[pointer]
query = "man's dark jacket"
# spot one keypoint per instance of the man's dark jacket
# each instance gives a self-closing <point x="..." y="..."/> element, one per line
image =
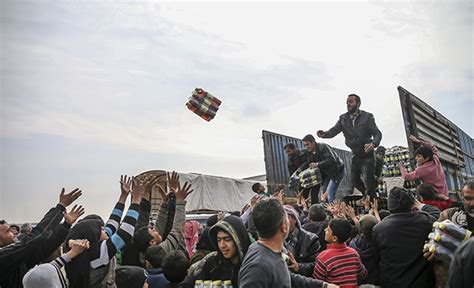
<point x="305" y="248"/>
<point x="398" y="248"/>
<point x="18" y="258"/>
<point x="328" y="161"/>
<point x="296" y="161"/>
<point x="359" y="134"/>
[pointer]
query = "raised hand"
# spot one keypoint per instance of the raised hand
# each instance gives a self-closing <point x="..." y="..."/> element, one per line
<point x="220" y="215"/>
<point x="182" y="192"/>
<point x="414" y="139"/>
<point x="67" y="199"/>
<point x="173" y="180"/>
<point x="164" y="195"/>
<point x="148" y="185"/>
<point x="138" y="190"/>
<point x="71" y="216"/>
<point x="126" y="184"/>
<point x="254" y="200"/>
<point x="320" y="133"/>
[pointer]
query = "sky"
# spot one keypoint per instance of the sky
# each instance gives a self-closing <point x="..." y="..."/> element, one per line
<point x="92" y="90"/>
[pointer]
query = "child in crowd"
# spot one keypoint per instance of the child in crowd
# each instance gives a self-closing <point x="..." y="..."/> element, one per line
<point x="339" y="264"/>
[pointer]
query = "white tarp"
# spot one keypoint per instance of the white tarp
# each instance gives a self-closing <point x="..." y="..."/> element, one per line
<point x="217" y="193"/>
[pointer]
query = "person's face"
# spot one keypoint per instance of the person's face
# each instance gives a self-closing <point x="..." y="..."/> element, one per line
<point x="227" y="246"/>
<point x="285" y="226"/>
<point x="468" y="200"/>
<point x="6" y="235"/>
<point x="290" y="152"/>
<point x="420" y="160"/>
<point x="380" y="156"/>
<point x="310" y="146"/>
<point x="328" y="236"/>
<point x="156" y="236"/>
<point x="14" y="230"/>
<point x="352" y="104"/>
<point x="261" y="188"/>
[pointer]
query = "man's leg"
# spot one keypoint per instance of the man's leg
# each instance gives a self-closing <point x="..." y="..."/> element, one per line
<point x="356" y="170"/>
<point x="368" y="175"/>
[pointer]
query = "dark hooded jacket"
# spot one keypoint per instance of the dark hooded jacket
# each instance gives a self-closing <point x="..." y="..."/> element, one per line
<point x="214" y="266"/>
<point x="16" y="259"/>
<point x="204" y="247"/>
<point x="79" y="269"/>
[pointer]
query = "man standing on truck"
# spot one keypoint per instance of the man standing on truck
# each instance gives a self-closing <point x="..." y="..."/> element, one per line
<point x="362" y="136"/>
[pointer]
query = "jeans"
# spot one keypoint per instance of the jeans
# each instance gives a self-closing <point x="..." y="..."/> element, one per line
<point x="331" y="187"/>
<point x="363" y="165"/>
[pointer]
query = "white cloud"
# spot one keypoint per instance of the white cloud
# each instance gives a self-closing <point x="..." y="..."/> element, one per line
<point x="118" y="74"/>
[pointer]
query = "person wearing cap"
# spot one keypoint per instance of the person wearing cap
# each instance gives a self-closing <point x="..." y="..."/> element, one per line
<point x="303" y="245"/>
<point x="398" y="243"/>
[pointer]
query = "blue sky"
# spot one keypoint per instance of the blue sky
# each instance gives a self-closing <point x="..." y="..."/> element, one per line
<point x="91" y="90"/>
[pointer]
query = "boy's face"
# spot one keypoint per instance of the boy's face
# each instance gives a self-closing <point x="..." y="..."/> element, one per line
<point x="420" y="160"/>
<point x="328" y="236"/>
<point x="156" y="236"/>
<point x="227" y="246"/>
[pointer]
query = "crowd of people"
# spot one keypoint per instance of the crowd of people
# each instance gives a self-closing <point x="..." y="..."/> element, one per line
<point x="319" y="241"/>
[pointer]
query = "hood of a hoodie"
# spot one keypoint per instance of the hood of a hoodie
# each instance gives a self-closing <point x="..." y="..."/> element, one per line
<point x="233" y="226"/>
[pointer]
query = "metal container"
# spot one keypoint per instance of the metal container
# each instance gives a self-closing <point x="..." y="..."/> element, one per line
<point x="276" y="162"/>
<point x="455" y="146"/>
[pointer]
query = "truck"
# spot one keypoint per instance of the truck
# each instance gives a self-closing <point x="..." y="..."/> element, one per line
<point x="456" y="147"/>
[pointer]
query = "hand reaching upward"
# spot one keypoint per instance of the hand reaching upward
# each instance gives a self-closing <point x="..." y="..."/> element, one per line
<point x="71" y="216"/>
<point x="67" y="199"/>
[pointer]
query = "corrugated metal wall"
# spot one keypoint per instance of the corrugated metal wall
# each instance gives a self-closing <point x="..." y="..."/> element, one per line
<point x="455" y="146"/>
<point x="276" y="161"/>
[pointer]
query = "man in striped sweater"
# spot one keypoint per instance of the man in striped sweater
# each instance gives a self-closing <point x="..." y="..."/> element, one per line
<point x="339" y="264"/>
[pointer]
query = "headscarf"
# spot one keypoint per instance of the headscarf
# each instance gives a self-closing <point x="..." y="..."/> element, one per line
<point x="78" y="269"/>
<point x="191" y="235"/>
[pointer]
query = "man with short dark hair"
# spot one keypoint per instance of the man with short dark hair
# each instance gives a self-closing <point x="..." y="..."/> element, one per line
<point x="296" y="157"/>
<point x="264" y="265"/>
<point x="429" y="169"/>
<point x="362" y="136"/>
<point x="323" y="157"/>
<point x="398" y="243"/>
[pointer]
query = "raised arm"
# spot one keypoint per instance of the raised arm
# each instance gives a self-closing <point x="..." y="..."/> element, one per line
<point x="426" y="144"/>
<point x="103" y="253"/>
<point x="336" y="129"/>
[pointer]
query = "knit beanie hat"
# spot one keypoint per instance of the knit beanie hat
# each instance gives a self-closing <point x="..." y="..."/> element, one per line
<point x="44" y="275"/>
<point x="400" y="200"/>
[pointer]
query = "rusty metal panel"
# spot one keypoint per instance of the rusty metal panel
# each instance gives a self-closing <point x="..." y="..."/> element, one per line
<point x="276" y="161"/>
<point x="455" y="146"/>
